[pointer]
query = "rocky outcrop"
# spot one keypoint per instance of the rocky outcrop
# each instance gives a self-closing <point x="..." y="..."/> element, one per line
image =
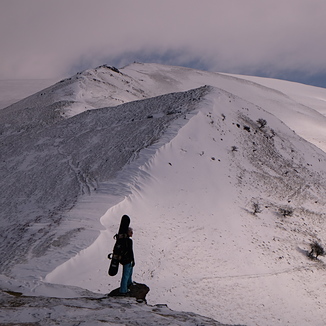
<point x="137" y="290"/>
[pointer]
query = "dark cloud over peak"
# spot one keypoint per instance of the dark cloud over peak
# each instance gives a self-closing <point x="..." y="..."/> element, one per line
<point x="49" y="39"/>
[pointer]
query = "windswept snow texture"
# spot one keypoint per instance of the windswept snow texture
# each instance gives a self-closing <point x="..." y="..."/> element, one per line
<point x="48" y="162"/>
<point x="203" y="180"/>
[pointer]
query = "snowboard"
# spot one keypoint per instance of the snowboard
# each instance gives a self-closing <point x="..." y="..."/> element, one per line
<point x="119" y="245"/>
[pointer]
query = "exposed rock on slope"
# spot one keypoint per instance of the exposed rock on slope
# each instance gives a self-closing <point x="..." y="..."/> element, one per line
<point x="91" y="310"/>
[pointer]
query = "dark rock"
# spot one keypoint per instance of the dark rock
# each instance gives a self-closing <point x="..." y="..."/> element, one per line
<point x="137" y="291"/>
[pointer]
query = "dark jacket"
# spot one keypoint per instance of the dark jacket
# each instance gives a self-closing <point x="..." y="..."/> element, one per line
<point x="127" y="255"/>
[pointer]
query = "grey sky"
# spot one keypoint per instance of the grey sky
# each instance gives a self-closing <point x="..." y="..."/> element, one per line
<point x="56" y="38"/>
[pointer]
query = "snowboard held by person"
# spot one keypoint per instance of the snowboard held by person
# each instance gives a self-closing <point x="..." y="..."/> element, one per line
<point x="123" y="254"/>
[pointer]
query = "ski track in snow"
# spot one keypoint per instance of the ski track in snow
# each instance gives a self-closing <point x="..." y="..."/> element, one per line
<point x="189" y="191"/>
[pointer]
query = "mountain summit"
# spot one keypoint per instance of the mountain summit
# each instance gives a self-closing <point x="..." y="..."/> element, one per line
<point x="223" y="178"/>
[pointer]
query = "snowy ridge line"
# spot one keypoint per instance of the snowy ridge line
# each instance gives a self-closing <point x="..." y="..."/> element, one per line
<point x="14" y="90"/>
<point x="94" y="146"/>
<point x="266" y="93"/>
<point x="128" y="181"/>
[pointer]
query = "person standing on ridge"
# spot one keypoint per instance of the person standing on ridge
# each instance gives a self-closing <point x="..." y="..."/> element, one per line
<point x="128" y="262"/>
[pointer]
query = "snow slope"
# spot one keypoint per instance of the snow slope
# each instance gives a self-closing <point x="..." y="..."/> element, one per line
<point x="15" y="89"/>
<point x="189" y="190"/>
<point x="199" y="247"/>
<point x="49" y="161"/>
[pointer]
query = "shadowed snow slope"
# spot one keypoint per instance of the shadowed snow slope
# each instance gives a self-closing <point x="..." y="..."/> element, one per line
<point x="203" y="181"/>
<point x="48" y="162"/>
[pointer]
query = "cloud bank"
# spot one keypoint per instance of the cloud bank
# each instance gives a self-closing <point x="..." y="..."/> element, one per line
<point x="55" y="38"/>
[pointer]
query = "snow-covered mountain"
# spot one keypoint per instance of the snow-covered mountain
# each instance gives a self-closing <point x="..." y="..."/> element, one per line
<point x="205" y="164"/>
<point x="14" y="90"/>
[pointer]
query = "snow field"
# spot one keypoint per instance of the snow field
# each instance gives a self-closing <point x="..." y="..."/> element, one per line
<point x="197" y="244"/>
